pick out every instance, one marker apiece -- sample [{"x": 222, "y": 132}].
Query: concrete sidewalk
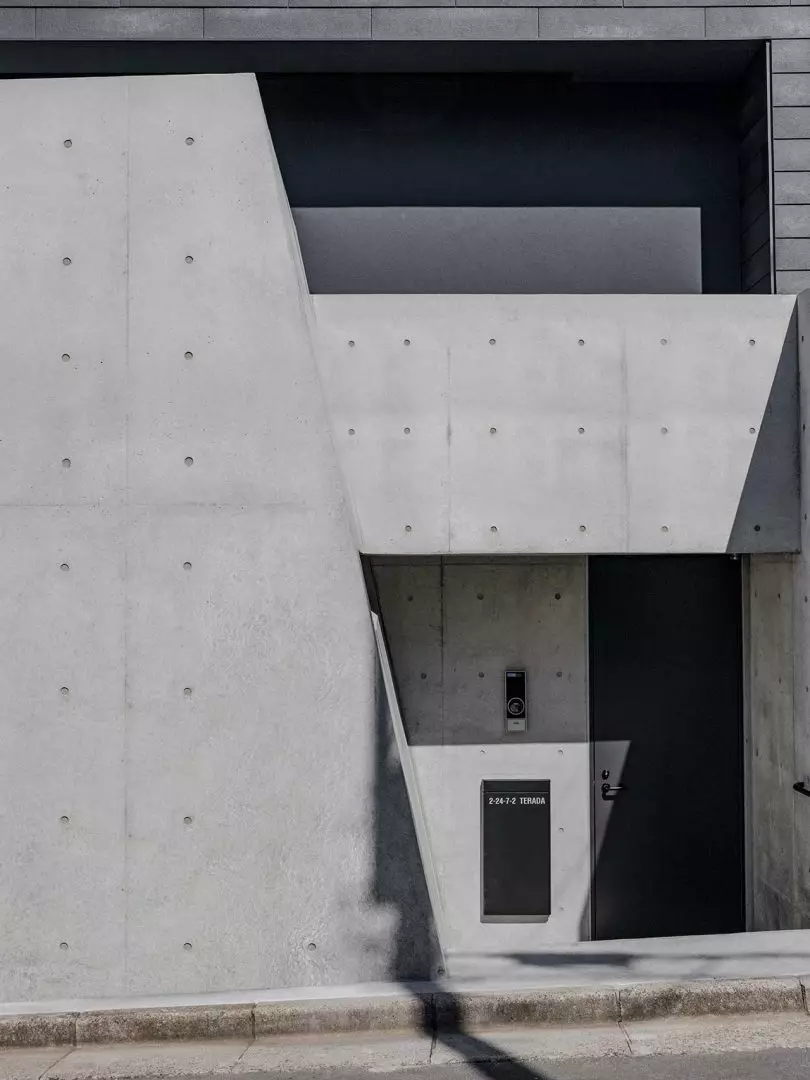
[
  {"x": 422, "y": 1010},
  {"x": 584, "y": 985},
  {"x": 344, "y": 1056}
]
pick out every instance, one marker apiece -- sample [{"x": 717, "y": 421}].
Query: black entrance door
[{"x": 666, "y": 714}]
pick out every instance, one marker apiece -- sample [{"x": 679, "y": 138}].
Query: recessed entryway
[{"x": 666, "y": 678}]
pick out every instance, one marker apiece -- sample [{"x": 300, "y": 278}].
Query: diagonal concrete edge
[{"x": 423, "y": 1011}]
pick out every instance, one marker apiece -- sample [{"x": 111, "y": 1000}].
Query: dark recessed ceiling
[{"x": 625, "y": 61}]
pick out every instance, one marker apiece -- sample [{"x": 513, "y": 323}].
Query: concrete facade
[
  {"x": 786, "y": 26},
  {"x": 169, "y": 501},
  {"x": 453, "y": 628},
  {"x": 471, "y": 424},
  {"x": 201, "y": 787}
]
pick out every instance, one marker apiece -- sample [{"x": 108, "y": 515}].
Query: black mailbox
[{"x": 515, "y": 850}]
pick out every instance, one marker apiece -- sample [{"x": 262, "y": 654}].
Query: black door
[{"x": 666, "y": 714}]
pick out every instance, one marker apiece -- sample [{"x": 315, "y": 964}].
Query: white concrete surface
[
  {"x": 198, "y": 851},
  {"x": 716, "y": 956},
  {"x": 453, "y": 629},
  {"x": 473, "y": 424},
  {"x": 62, "y": 489}
]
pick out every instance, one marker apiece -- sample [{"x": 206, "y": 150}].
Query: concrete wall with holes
[
  {"x": 453, "y": 627},
  {"x": 778, "y": 695},
  {"x": 192, "y": 453},
  {"x": 183, "y": 612},
  {"x": 479, "y": 424}
]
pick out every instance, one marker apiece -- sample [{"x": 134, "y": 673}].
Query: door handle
[{"x": 610, "y": 791}]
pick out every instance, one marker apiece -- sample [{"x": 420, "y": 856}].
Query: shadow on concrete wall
[
  {"x": 769, "y": 503},
  {"x": 399, "y": 884}
]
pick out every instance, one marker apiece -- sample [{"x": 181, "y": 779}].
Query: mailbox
[{"x": 515, "y": 850}]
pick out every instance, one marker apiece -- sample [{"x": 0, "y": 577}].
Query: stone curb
[{"x": 423, "y": 1011}]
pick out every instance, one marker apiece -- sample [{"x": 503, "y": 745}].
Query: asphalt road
[{"x": 763, "y": 1065}]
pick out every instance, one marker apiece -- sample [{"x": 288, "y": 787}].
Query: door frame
[{"x": 589, "y": 919}]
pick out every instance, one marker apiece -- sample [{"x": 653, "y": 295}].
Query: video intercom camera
[{"x": 515, "y": 702}]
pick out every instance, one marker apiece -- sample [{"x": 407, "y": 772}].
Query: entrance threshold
[{"x": 752, "y": 955}]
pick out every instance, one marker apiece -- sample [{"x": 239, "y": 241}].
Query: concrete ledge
[
  {"x": 423, "y": 1011},
  {"x": 652, "y": 1001}
]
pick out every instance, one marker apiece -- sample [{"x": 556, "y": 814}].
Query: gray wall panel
[
  {"x": 793, "y": 254},
  {"x": 148, "y": 818},
  {"x": 800, "y": 651},
  {"x": 563, "y": 424},
  {"x": 791, "y": 89},
  {"x": 791, "y": 122},
  {"x": 792, "y": 187},
  {"x": 154, "y": 24},
  {"x": 453, "y": 24},
  {"x": 793, "y": 221},
  {"x": 791, "y": 155},
  {"x": 772, "y": 753},
  {"x": 270, "y": 621},
  {"x": 661, "y": 23},
  {"x": 62, "y": 414},
  {"x": 501, "y": 250},
  {"x": 17, "y": 24},
  {"x": 792, "y": 281},
  {"x": 315, "y": 24},
  {"x": 791, "y": 56},
  {"x": 757, "y": 22}
]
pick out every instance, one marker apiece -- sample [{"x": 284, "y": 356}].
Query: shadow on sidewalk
[{"x": 399, "y": 884}]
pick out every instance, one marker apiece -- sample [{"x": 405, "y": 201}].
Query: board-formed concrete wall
[{"x": 188, "y": 686}]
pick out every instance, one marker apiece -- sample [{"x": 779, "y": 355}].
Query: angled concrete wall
[
  {"x": 453, "y": 627},
  {"x": 189, "y": 686},
  {"x": 563, "y": 424}
]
